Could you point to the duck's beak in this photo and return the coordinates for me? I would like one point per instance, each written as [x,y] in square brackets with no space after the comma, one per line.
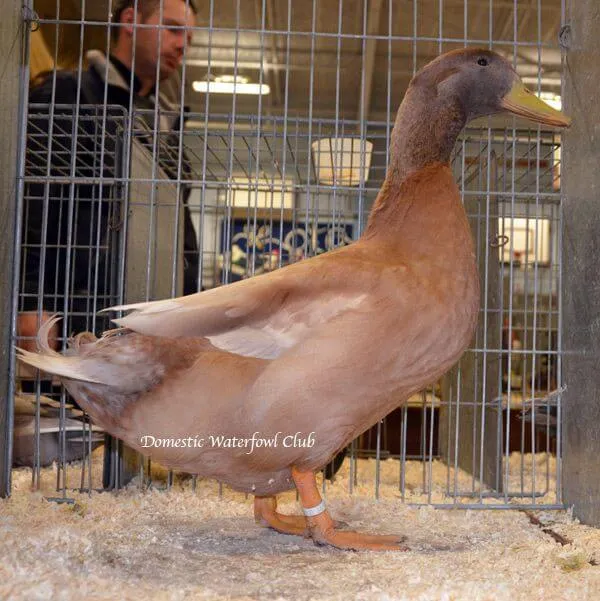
[522,101]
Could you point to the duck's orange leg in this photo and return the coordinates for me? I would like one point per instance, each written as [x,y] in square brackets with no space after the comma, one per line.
[322,528]
[265,514]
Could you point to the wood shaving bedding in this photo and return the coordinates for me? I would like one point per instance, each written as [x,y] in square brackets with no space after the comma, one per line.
[182,545]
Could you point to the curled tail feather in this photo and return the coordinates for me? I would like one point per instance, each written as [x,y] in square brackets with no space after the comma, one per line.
[47,359]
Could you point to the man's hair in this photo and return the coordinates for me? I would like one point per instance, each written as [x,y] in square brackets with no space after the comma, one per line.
[144,7]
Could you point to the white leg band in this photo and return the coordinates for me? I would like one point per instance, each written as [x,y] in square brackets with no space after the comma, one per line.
[312,511]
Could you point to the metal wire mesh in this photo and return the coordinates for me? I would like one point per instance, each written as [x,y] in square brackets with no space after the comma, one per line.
[251,168]
[76,202]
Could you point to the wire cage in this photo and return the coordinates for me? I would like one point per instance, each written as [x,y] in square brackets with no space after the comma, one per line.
[276,178]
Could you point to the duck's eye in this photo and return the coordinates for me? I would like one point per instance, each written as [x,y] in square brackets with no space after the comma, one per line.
[482,62]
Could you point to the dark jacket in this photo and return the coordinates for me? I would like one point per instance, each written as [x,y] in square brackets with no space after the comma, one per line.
[65,193]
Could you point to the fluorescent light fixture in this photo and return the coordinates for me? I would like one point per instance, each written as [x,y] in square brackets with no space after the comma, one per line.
[230,84]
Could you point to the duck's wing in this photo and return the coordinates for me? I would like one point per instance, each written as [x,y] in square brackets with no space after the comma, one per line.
[259,317]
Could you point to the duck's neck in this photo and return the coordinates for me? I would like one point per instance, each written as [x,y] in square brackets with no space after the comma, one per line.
[426,129]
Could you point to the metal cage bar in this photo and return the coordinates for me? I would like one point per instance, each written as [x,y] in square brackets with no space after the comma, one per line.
[252,171]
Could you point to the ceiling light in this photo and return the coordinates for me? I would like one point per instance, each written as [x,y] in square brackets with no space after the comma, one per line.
[231,79]
[230,84]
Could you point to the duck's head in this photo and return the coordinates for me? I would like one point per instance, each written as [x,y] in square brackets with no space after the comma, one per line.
[482,82]
[447,93]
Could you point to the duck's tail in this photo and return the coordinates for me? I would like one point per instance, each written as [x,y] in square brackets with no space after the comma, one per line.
[101,387]
[70,365]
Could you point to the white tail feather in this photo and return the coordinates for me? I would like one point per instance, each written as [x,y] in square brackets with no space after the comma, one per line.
[44,333]
[54,363]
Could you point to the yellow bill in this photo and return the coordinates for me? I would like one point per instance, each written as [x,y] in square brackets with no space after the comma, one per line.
[522,101]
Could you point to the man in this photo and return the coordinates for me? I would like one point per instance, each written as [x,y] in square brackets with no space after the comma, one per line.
[161,45]
[72,205]
[69,228]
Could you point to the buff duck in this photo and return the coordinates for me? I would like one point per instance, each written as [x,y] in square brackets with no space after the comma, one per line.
[317,352]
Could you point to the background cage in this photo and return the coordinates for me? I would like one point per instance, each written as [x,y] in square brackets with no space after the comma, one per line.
[338,70]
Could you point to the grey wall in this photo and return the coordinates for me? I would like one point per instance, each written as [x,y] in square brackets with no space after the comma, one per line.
[581,264]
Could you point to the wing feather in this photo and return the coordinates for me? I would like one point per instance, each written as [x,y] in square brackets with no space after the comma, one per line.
[259,317]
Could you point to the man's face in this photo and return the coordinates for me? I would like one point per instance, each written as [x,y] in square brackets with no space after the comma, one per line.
[164,45]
